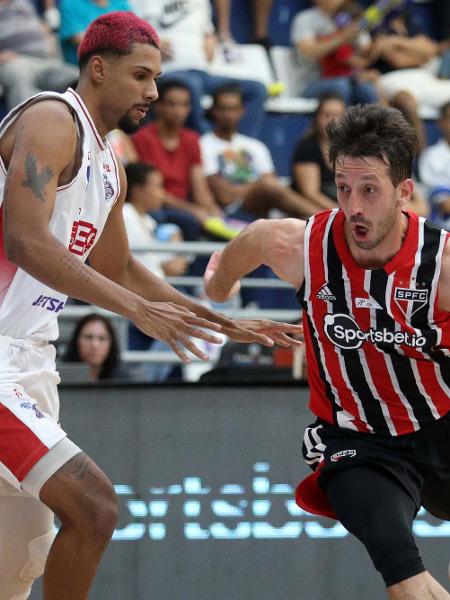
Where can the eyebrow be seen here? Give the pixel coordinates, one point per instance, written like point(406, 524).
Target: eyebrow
point(147, 69)
point(362, 178)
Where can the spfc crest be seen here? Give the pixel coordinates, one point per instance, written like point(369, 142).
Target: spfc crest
point(410, 300)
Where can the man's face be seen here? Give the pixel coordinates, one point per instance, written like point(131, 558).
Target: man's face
point(174, 108)
point(330, 110)
point(227, 112)
point(369, 200)
point(153, 191)
point(129, 86)
point(444, 125)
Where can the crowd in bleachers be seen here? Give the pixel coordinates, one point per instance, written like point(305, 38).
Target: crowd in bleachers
point(198, 168)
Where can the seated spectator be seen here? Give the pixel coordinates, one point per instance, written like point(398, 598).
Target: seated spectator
point(94, 342)
point(434, 172)
point(145, 193)
point(315, 35)
point(76, 18)
point(188, 46)
point(396, 49)
point(240, 170)
point(29, 60)
point(175, 151)
point(312, 174)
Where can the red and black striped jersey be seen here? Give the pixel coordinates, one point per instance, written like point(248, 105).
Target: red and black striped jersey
point(378, 347)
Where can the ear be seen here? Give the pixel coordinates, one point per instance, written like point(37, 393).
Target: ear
point(405, 190)
point(98, 69)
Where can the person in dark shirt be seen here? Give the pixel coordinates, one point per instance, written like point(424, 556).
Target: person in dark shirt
point(311, 172)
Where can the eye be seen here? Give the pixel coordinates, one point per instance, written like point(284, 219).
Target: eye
point(140, 76)
point(341, 187)
point(370, 189)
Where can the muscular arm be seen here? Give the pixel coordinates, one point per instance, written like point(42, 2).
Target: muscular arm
point(34, 169)
point(275, 243)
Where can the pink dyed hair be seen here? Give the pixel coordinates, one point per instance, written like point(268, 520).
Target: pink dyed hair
point(115, 33)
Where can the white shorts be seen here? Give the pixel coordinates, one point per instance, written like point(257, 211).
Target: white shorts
point(29, 412)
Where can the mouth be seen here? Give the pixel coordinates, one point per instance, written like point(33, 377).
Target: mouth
point(360, 232)
point(142, 111)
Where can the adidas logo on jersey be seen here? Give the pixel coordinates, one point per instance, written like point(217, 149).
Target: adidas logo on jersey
point(325, 293)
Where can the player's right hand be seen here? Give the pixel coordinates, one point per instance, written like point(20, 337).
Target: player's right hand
point(175, 325)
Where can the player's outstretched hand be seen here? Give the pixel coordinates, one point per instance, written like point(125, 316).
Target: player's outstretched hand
point(213, 286)
point(175, 325)
point(280, 333)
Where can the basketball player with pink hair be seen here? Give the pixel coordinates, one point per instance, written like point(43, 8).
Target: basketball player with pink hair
point(61, 196)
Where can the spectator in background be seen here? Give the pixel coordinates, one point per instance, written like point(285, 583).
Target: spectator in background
point(29, 60)
point(315, 36)
point(94, 342)
point(261, 13)
point(145, 193)
point(76, 18)
point(188, 46)
point(399, 47)
point(434, 171)
point(312, 174)
point(239, 169)
point(175, 151)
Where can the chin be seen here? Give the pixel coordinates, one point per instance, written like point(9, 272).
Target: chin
point(128, 126)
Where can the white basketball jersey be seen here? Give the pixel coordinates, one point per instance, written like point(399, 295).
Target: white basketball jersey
point(28, 308)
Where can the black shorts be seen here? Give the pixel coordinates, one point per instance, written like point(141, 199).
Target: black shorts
point(418, 461)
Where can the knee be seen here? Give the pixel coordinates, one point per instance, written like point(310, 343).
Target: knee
point(393, 552)
point(94, 513)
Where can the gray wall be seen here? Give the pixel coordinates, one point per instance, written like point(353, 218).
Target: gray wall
point(205, 477)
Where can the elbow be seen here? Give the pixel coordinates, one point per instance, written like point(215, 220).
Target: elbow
point(15, 248)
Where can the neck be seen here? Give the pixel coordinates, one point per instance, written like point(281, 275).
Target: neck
point(167, 130)
point(139, 208)
point(224, 134)
point(93, 107)
point(94, 371)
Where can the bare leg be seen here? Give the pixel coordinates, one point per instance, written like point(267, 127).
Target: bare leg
point(264, 195)
point(223, 13)
point(261, 13)
point(84, 500)
point(419, 587)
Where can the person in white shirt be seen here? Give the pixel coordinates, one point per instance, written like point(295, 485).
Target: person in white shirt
point(240, 169)
point(434, 171)
point(188, 46)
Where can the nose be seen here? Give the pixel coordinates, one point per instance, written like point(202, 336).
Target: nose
point(354, 204)
point(152, 92)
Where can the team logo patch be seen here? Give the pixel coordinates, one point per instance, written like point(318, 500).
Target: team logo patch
point(109, 190)
point(367, 303)
point(325, 293)
point(82, 237)
point(410, 299)
point(31, 406)
point(341, 454)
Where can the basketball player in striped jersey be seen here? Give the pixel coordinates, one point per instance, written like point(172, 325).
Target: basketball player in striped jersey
point(61, 196)
point(374, 284)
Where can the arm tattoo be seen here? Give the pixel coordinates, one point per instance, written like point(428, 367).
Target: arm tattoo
point(79, 467)
point(34, 180)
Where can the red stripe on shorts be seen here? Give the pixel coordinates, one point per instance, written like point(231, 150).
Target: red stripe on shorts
point(20, 448)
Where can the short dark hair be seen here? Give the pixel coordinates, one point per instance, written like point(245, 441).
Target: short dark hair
point(112, 360)
point(228, 88)
point(167, 85)
point(137, 174)
point(114, 34)
point(378, 131)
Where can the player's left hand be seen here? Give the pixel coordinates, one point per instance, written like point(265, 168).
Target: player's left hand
point(278, 333)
